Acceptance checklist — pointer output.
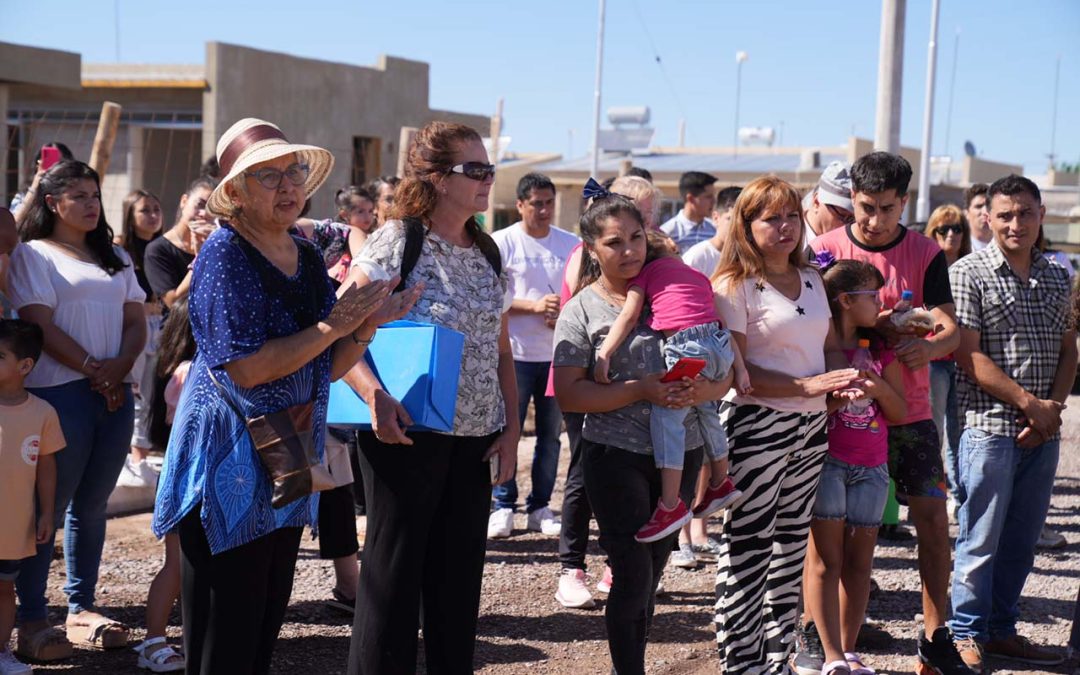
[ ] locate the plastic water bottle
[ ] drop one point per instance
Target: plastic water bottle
(905, 302)
(858, 412)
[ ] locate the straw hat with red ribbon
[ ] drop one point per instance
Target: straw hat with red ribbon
(252, 141)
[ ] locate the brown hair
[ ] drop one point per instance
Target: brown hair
(431, 154)
(950, 214)
(845, 276)
(741, 258)
(127, 229)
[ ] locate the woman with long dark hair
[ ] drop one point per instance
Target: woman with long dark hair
(69, 278)
(142, 225)
(429, 493)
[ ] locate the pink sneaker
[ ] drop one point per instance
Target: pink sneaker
(717, 498)
(663, 522)
(604, 585)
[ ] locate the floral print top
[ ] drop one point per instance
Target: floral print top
(461, 292)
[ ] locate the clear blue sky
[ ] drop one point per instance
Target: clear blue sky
(812, 64)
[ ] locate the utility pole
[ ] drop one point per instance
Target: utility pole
(594, 167)
(1053, 118)
(922, 204)
(740, 58)
(496, 131)
(890, 76)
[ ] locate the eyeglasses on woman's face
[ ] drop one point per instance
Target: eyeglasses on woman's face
(944, 230)
(474, 170)
(270, 178)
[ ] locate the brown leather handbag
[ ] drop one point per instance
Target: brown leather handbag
(285, 443)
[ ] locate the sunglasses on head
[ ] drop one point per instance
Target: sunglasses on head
(945, 229)
(474, 170)
(271, 178)
(875, 294)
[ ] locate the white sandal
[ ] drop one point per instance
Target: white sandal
(164, 659)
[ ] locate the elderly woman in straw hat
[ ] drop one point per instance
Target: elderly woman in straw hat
(271, 335)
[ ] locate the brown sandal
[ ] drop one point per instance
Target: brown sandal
(45, 644)
(96, 631)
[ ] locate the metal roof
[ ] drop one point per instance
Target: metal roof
(758, 163)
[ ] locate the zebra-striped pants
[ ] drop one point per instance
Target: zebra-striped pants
(776, 458)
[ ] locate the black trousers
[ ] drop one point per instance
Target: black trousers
(576, 512)
(234, 602)
(337, 523)
(427, 510)
(623, 489)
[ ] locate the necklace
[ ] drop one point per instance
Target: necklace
(610, 296)
(80, 254)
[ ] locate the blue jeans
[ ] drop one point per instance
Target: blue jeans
(852, 493)
(946, 415)
(668, 425)
(86, 472)
(1004, 493)
(532, 377)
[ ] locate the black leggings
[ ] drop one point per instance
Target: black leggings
(427, 511)
(576, 512)
(623, 489)
(234, 602)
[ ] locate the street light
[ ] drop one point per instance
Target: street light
(739, 58)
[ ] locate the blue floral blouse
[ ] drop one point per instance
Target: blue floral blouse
(240, 300)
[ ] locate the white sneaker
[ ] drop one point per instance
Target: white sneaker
(139, 475)
(573, 593)
(684, 558)
(9, 665)
(660, 590)
(500, 523)
(543, 520)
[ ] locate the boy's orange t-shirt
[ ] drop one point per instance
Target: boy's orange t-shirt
(27, 430)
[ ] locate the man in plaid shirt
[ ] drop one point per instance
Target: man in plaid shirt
(1018, 359)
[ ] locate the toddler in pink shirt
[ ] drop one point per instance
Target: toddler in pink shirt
(682, 307)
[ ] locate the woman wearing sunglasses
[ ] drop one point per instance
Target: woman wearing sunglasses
(429, 493)
(949, 228)
(271, 335)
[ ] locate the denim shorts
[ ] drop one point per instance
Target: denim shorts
(852, 493)
(9, 569)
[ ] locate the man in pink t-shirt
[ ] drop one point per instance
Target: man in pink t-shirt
(908, 261)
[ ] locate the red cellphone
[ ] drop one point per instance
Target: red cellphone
(49, 156)
(684, 368)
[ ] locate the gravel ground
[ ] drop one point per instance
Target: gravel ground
(523, 630)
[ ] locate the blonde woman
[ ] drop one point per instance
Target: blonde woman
(776, 308)
(950, 229)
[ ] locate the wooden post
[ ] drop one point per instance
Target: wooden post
(625, 166)
(404, 141)
(496, 129)
(105, 138)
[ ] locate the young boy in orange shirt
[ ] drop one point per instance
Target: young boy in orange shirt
(29, 435)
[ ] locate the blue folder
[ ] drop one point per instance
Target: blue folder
(418, 364)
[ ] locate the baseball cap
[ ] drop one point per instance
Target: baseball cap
(834, 186)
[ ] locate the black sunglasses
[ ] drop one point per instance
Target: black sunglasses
(845, 217)
(945, 229)
(474, 170)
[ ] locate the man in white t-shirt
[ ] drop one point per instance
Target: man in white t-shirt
(978, 217)
(704, 256)
(691, 224)
(534, 254)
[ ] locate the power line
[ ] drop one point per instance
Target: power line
(659, 61)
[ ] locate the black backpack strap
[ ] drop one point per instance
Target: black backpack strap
(414, 242)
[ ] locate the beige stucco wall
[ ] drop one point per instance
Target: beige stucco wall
(320, 103)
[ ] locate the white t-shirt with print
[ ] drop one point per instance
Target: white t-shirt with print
(703, 256)
(783, 335)
(534, 268)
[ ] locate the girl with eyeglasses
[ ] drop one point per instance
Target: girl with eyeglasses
(854, 481)
(949, 228)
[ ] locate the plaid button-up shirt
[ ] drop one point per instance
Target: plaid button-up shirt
(1020, 326)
